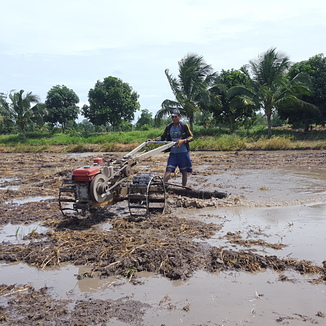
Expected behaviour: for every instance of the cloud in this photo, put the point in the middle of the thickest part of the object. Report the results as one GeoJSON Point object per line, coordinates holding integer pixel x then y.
{"type": "Point", "coordinates": [75, 26]}
{"type": "Point", "coordinates": [77, 42]}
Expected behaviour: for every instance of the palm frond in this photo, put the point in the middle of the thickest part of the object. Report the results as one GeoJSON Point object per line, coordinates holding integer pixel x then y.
{"type": "Point", "coordinates": [190, 88]}
{"type": "Point", "coordinates": [166, 108]}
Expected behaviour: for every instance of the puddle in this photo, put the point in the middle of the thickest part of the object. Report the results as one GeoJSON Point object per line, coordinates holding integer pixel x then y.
{"type": "Point", "coordinates": [14, 233]}
{"type": "Point", "coordinates": [9, 188]}
{"type": "Point", "coordinates": [35, 199]}
{"type": "Point", "coordinates": [300, 228]}
{"type": "Point", "coordinates": [277, 184]}
{"type": "Point", "coordinates": [106, 226]}
{"type": "Point", "coordinates": [5, 181]}
{"type": "Point", "coordinates": [60, 280]}
{"type": "Point", "coordinates": [226, 298]}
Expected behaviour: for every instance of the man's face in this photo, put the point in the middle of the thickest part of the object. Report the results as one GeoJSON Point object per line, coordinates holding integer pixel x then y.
{"type": "Point", "coordinates": [176, 118]}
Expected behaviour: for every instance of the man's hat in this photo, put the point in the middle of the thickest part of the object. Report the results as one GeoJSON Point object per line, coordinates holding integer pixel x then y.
{"type": "Point", "coordinates": [175, 113]}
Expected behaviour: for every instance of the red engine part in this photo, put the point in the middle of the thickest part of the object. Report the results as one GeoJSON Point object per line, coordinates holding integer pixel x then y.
{"type": "Point", "coordinates": [86, 173]}
{"type": "Point", "coordinates": [98, 160]}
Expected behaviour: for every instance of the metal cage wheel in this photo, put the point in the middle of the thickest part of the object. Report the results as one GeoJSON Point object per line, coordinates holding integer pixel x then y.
{"type": "Point", "coordinates": [146, 195]}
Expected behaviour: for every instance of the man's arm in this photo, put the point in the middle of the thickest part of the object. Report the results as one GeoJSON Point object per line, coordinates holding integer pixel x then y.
{"type": "Point", "coordinates": [189, 134]}
{"type": "Point", "coordinates": [164, 136]}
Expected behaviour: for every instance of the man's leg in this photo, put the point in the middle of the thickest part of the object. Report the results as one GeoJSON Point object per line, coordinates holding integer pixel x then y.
{"type": "Point", "coordinates": [184, 178]}
{"type": "Point", "coordinates": [170, 167]}
{"type": "Point", "coordinates": [185, 166]}
{"type": "Point", "coordinates": [167, 176]}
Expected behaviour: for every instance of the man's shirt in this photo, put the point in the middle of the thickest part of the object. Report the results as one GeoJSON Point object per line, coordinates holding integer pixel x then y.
{"type": "Point", "coordinates": [176, 133]}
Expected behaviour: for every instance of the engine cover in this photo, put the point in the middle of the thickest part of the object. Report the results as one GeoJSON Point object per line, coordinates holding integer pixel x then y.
{"type": "Point", "coordinates": [85, 174]}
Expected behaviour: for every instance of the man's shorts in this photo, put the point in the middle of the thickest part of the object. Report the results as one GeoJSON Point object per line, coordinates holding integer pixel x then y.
{"type": "Point", "coordinates": [181, 160]}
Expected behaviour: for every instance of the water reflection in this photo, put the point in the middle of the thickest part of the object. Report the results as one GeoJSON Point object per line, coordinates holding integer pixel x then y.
{"type": "Point", "coordinates": [15, 233]}
{"type": "Point", "coordinates": [227, 297]}
{"type": "Point", "coordinates": [300, 228]}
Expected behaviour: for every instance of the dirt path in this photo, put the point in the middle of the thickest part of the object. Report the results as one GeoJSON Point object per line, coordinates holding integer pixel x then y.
{"type": "Point", "coordinates": [175, 245]}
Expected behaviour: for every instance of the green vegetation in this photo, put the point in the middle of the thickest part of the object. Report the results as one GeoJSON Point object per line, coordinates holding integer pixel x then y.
{"type": "Point", "coordinates": [216, 139]}
{"type": "Point", "coordinates": [267, 104]}
{"type": "Point", "coordinates": [21, 111]}
{"type": "Point", "coordinates": [61, 103]}
{"type": "Point", "coordinates": [190, 88]}
{"type": "Point", "coordinates": [268, 84]}
{"type": "Point", "coordinates": [112, 101]}
{"type": "Point", "coordinates": [220, 143]}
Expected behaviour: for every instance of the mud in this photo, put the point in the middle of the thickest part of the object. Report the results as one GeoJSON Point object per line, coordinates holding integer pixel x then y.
{"type": "Point", "coordinates": [196, 239]}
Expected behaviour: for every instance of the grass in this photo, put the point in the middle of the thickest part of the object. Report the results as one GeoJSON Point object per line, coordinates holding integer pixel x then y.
{"type": "Point", "coordinates": [216, 139]}
{"type": "Point", "coordinates": [278, 142]}
{"type": "Point", "coordinates": [221, 143]}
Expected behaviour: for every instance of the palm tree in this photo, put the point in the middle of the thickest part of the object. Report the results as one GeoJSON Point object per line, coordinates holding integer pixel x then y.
{"type": "Point", "coordinates": [293, 107]}
{"type": "Point", "coordinates": [226, 105]}
{"type": "Point", "coordinates": [190, 88]}
{"type": "Point", "coordinates": [269, 80]}
{"type": "Point", "coordinates": [270, 86]}
{"type": "Point", "coordinates": [20, 110]}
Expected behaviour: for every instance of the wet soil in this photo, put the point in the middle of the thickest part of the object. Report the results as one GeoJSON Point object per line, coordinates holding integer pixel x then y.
{"type": "Point", "coordinates": [175, 246]}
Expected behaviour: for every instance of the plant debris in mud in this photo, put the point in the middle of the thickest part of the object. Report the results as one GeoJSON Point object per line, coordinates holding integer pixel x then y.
{"type": "Point", "coordinates": [222, 259]}
{"type": "Point", "coordinates": [27, 306]}
{"type": "Point", "coordinates": [285, 320]}
{"type": "Point", "coordinates": [164, 245]}
{"type": "Point", "coordinates": [161, 245]}
{"type": "Point", "coordinates": [235, 238]}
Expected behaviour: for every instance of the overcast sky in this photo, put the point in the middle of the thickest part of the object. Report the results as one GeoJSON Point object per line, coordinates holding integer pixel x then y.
{"type": "Point", "coordinates": [44, 43]}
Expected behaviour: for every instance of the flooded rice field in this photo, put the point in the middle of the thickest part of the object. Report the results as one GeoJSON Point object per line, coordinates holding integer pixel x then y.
{"type": "Point", "coordinates": [255, 257]}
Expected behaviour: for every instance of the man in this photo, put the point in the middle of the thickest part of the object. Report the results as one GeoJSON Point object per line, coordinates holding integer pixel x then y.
{"type": "Point", "coordinates": [179, 154]}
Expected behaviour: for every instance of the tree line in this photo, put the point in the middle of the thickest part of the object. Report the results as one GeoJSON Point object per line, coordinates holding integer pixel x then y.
{"type": "Point", "coordinates": [270, 85]}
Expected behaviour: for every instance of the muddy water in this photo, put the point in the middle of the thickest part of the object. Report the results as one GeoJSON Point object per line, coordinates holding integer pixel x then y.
{"type": "Point", "coordinates": [226, 298]}
{"type": "Point", "coordinates": [283, 205]}
{"type": "Point", "coordinates": [16, 233]}
{"type": "Point", "coordinates": [276, 186]}
{"type": "Point", "coordinates": [34, 199]}
{"type": "Point", "coordinates": [300, 229]}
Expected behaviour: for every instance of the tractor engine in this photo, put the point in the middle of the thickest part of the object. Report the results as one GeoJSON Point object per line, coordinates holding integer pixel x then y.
{"type": "Point", "coordinates": [83, 177]}
{"type": "Point", "coordinates": [88, 187]}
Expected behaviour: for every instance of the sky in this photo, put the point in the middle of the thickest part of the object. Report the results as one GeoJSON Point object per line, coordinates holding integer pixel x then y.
{"type": "Point", "coordinates": [75, 43]}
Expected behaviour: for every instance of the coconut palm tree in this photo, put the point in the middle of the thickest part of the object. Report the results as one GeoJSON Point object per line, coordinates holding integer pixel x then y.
{"type": "Point", "coordinates": [21, 110]}
{"type": "Point", "coordinates": [268, 75]}
{"type": "Point", "coordinates": [190, 88]}
{"type": "Point", "coordinates": [270, 86]}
